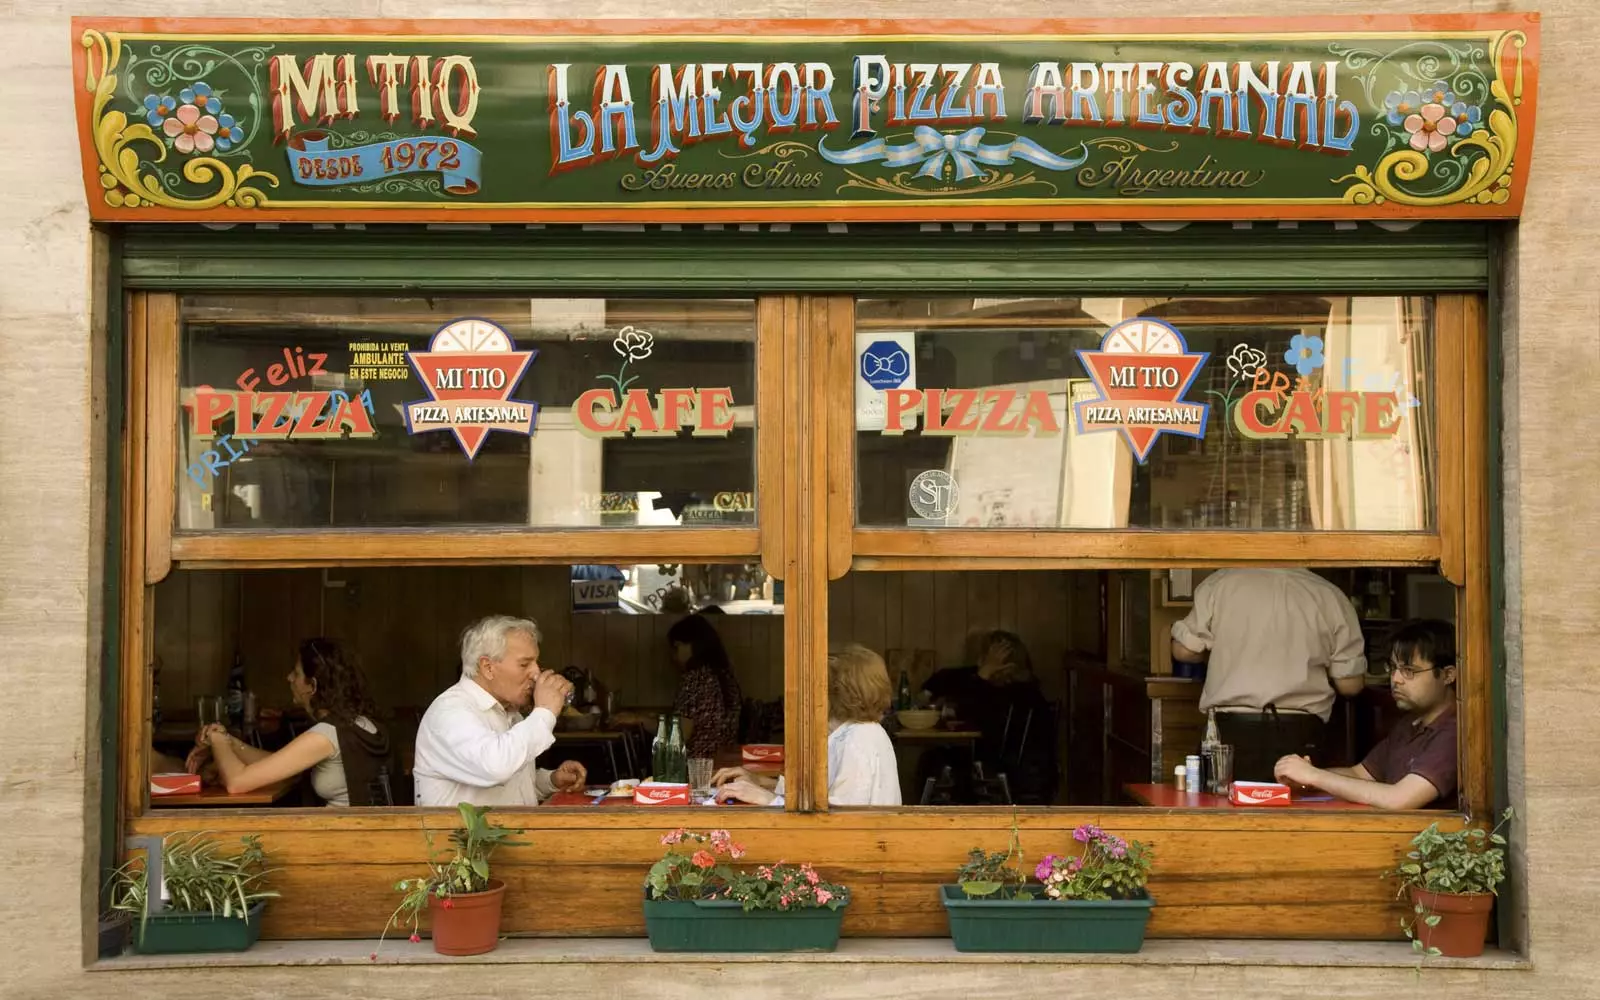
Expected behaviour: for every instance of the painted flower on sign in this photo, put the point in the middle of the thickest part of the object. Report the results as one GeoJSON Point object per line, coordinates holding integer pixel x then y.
{"type": "Point", "coordinates": [229, 132]}
{"type": "Point", "coordinates": [1439, 92]}
{"type": "Point", "coordinates": [157, 108]}
{"type": "Point", "coordinates": [1304, 353]}
{"type": "Point", "coordinates": [1400, 103]}
{"type": "Point", "coordinates": [1467, 116]}
{"type": "Point", "coordinates": [200, 95]}
{"type": "Point", "coordinates": [1430, 128]}
{"type": "Point", "coordinates": [635, 345]}
{"type": "Point", "coordinates": [1245, 362]}
{"type": "Point", "coordinates": [190, 131]}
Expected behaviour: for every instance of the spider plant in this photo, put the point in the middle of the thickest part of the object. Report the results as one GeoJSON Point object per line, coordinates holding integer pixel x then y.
{"type": "Point", "coordinates": [199, 878]}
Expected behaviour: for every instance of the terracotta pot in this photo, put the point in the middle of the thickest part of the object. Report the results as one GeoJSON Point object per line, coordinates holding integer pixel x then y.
{"type": "Point", "coordinates": [470, 925]}
{"type": "Point", "coordinates": [1463, 921]}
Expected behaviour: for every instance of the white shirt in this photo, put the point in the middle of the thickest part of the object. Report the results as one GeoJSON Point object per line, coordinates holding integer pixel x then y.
{"type": "Point", "coordinates": [470, 748]}
{"type": "Point", "coordinates": [327, 774]}
{"type": "Point", "coordinates": [862, 770]}
{"type": "Point", "coordinates": [1275, 635]}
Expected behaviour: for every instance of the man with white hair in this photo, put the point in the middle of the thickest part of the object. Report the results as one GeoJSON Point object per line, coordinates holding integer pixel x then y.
{"type": "Point", "coordinates": [474, 745]}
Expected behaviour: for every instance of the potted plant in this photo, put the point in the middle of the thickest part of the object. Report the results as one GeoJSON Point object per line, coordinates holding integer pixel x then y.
{"type": "Point", "coordinates": [1093, 900]}
{"type": "Point", "coordinates": [464, 901]}
{"type": "Point", "coordinates": [1452, 880]}
{"type": "Point", "coordinates": [695, 901]}
{"type": "Point", "coordinates": [211, 901]}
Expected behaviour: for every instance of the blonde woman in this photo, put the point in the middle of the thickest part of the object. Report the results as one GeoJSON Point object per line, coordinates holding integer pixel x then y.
{"type": "Point", "coordinates": [861, 763]}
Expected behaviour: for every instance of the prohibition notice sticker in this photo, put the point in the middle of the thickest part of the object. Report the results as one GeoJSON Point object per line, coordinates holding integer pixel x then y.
{"type": "Point", "coordinates": [1142, 371]}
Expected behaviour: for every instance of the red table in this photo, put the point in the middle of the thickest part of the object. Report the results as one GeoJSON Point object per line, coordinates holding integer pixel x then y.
{"type": "Point", "coordinates": [1168, 797]}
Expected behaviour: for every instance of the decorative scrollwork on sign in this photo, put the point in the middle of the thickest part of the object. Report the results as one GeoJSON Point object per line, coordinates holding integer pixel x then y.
{"type": "Point", "coordinates": [784, 149]}
{"type": "Point", "coordinates": [131, 180]}
{"type": "Point", "coordinates": [1480, 164]}
{"type": "Point", "coordinates": [901, 183]}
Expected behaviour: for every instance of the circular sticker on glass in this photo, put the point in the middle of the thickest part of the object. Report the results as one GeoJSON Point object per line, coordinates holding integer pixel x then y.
{"type": "Point", "coordinates": [934, 494]}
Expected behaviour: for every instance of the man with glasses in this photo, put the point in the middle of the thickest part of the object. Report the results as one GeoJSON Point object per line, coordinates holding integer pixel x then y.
{"type": "Point", "coordinates": [1414, 767]}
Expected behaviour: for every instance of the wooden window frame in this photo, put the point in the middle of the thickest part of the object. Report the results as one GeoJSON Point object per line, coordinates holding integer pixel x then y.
{"type": "Point", "coordinates": [806, 536]}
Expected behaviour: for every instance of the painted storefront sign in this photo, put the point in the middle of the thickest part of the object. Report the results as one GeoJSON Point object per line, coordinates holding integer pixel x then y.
{"type": "Point", "coordinates": [1372, 117]}
{"type": "Point", "coordinates": [470, 369]}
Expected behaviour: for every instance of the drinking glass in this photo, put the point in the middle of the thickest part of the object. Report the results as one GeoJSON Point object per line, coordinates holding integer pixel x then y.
{"type": "Point", "coordinates": [700, 770]}
{"type": "Point", "coordinates": [1221, 769]}
{"type": "Point", "coordinates": [208, 709]}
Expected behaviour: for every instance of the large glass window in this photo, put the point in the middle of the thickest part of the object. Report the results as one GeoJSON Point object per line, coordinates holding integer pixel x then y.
{"type": "Point", "coordinates": [1062, 687]}
{"type": "Point", "coordinates": [702, 643]}
{"type": "Point", "coordinates": [340, 412]}
{"type": "Point", "coordinates": [1287, 413]}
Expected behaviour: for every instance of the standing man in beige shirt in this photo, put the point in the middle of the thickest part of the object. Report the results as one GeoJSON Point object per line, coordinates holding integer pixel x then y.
{"type": "Point", "coordinates": [1278, 644]}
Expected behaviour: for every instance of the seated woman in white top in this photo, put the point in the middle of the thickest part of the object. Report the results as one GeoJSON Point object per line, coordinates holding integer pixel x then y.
{"type": "Point", "coordinates": [861, 764]}
{"type": "Point", "coordinates": [326, 683]}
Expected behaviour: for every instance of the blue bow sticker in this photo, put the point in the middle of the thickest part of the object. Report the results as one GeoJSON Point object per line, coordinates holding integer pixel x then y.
{"type": "Point", "coordinates": [933, 149]}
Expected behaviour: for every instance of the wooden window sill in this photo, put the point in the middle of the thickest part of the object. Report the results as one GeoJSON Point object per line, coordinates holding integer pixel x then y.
{"type": "Point", "coordinates": [873, 951]}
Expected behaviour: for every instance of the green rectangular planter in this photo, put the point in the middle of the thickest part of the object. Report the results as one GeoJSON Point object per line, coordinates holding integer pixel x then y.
{"type": "Point", "coordinates": [1045, 925]}
{"type": "Point", "coordinates": [723, 925]}
{"type": "Point", "coordinates": [173, 932]}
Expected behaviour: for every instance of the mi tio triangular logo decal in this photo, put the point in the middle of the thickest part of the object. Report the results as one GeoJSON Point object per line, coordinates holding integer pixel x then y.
{"type": "Point", "coordinates": [1142, 370]}
{"type": "Point", "coordinates": [470, 369]}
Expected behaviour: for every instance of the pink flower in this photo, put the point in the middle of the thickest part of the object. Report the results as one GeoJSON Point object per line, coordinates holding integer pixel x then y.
{"type": "Point", "coordinates": [192, 132]}
{"type": "Point", "coordinates": [704, 859]}
{"type": "Point", "coordinates": [823, 895]}
{"type": "Point", "coordinates": [1086, 833]}
{"type": "Point", "coordinates": [448, 904]}
{"type": "Point", "coordinates": [737, 850]}
{"type": "Point", "coordinates": [373, 956]}
{"type": "Point", "coordinates": [676, 836]}
{"type": "Point", "coordinates": [784, 900]}
{"type": "Point", "coordinates": [1428, 129]}
{"type": "Point", "coordinates": [812, 877]}
{"type": "Point", "coordinates": [416, 938]}
{"type": "Point", "coordinates": [1042, 872]}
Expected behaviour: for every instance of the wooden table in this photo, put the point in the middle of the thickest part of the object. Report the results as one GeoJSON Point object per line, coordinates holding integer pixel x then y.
{"type": "Point", "coordinates": [217, 795]}
{"type": "Point", "coordinates": [1168, 797]}
{"type": "Point", "coordinates": [611, 801]}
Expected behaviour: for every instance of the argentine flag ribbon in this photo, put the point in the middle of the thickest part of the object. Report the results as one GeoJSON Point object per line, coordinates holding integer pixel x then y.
{"type": "Point", "coordinates": [965, 151]}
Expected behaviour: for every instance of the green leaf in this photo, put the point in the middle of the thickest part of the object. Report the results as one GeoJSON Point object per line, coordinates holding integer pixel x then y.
{"type": "Point", "coordinates": [1433, 920]}
{"type": "Point", "coordinates": [980, 888]}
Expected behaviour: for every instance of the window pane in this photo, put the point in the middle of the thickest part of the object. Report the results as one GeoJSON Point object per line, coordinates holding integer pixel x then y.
{"type": "Point", "coordinates": [599, 413]}
{"type": "Point", "coordinates": [1062, 687]}
{"type": "Point", "coordinates": [623, 635]}
{"type": "Point", "coordinates": [1273, 413]}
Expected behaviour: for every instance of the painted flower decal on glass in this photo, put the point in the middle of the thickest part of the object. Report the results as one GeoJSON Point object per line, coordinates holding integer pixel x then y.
{"type": "Point", "coordinates": [1401, 103]}
{"type": "Point", "coordinates": [1245, 362]}
{"type": "Point", "coordinates": [200, 95]}
{"type": "Point", "coordinates": [635, 345]}
{"type": "Point", "coordinates": [1304, 353]}
{"type": "Point", "coordinates": [191, 131]}
{"type": "Point", "coordinates": [229, 132]}
{"type": "Point", "coordinates": [157, 108]}
{"type": "Point", "coordinates": [1430, 129]}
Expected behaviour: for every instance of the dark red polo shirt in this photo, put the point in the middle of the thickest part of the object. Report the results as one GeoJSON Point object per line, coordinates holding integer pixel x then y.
{"type": "Point", "coordinates": [1412, 748]}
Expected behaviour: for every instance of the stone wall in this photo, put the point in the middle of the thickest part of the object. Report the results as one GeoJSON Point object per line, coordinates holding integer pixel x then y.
{"type": "Point", "coordinates": [51, 507]}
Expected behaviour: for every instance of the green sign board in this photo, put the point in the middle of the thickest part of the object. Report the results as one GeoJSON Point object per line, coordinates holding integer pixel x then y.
{"type": "Point", "coordinates": [805, 121]}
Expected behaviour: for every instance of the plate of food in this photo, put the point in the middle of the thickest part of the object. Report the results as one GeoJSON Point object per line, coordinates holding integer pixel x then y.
{"type": "Point", "coordinates": [621, 787]}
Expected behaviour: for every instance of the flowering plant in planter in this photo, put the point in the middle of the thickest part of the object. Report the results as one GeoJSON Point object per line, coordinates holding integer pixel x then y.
{"type": "Point", "coordinates": [787, 887]}
{"type": "Point", "coordinates": [1108, 868]}
{"type": "Point", "coordinates": [693, 866]}
{"type": "Point", "coordinates": [466, 874]}
{"type": "Point", "coordinates": [696, 901]}
{"type": "Point", "coordinates": [1093, 900]}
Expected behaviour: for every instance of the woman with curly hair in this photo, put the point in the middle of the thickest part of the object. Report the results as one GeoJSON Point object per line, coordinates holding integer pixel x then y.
{"type": "Point", "coordinates": [345, 749]}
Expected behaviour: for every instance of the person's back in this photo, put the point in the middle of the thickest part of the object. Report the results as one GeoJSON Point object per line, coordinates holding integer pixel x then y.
{"type": "Point", "coordinates": [1275, 636]}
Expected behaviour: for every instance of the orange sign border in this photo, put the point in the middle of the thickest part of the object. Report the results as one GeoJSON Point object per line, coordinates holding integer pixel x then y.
{"type": "Point", "coordinates": [1073, 211]}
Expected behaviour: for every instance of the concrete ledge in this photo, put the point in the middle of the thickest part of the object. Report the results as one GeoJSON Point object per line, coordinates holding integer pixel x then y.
{"type": "Point", "coordinates": [876, 951]}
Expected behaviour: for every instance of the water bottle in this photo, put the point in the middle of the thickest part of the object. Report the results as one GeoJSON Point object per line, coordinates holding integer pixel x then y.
{"type": "Point", "coordinates": [903, 698]}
